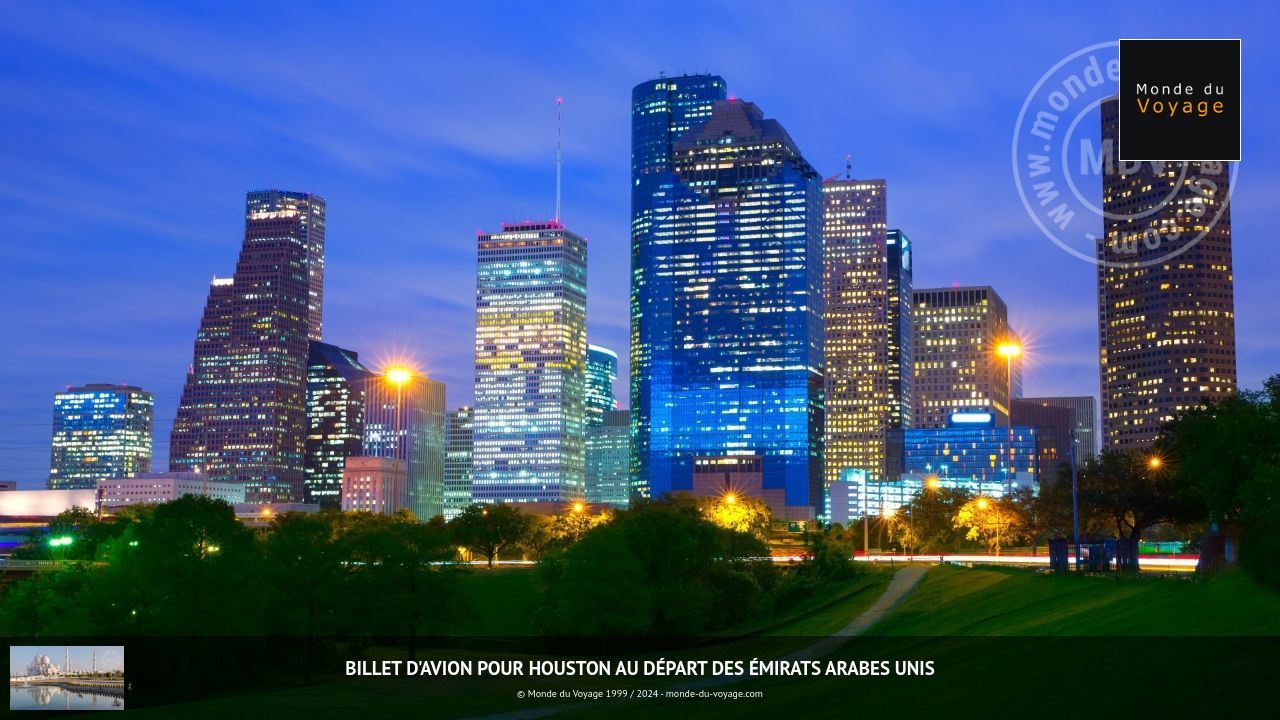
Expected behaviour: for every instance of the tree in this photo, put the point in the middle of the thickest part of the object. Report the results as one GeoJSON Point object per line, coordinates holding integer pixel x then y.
{"type": "Point", "coordinates": [487, 529]}
{"type": "Point", "coordinates": [929, 527]}
{"type": "Point", "coordinates": [308, 574]}
{"type": "Point", "coordinates": [989, 520]}
{"type": "Point", "coordinates": [408, 578]}
{"type": "Point", "coordinates": [659, 568]}
{"type": "Point", "coordinates": [740, 513]}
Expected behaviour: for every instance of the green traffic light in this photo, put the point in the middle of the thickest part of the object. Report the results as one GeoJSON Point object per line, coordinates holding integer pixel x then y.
{"type": "Point", "coordinates": [61, 541]}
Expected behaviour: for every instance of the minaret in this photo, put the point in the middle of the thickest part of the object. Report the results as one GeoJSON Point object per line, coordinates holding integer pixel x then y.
{"type": "Point", "coordinates": [95, 661]}
{"type": "Point", "coordinates": [66, 659]}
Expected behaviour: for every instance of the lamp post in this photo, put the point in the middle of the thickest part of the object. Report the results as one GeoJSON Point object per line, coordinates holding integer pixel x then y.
{"type": "Point", "coordinates": [398, 376]}
{"type": "Point", "coordinates": [1075, 501]}
{"type": "Point", "coordinates": [1009, 350]}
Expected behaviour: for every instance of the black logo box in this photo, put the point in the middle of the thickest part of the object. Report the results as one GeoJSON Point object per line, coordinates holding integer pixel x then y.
{"type": "Point", "coordinates": [1181, 66]}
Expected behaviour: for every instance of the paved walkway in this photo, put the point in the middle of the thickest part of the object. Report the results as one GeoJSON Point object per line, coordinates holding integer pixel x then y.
{"type": "Point", "coordinates": [903, 582]}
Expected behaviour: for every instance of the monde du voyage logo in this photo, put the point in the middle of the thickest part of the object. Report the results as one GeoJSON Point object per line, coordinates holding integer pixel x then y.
{"type": "Point", "coordinates": [1179, 100]}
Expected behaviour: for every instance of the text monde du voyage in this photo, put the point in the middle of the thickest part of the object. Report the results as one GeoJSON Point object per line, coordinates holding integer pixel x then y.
{"type": "Point", "coordinates": [636, 668]}
{"type": "Point", "coordinates": [1179, 99]}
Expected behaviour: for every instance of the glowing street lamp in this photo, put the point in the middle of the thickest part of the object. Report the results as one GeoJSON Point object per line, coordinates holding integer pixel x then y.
{"type": "Point", "coordinates": [730, 498]}
{"type": "Point", "coordinates": [1155, 462]}
{"type": "Point", "coordinates": [398, 375]}
{"type": "Point", "coordinates": [579, 507]}
{"type": "Point", "coordinates": [1009, 350]}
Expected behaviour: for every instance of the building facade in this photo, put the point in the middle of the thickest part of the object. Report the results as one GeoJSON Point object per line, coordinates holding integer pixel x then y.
{"type": "Point", "coordinates": [609, 460]}
{"type": "Point", "coordinates": [1055, 434]}
{"type": "Point", "coordinates": [602, 371]}
{"type": "Point", "coordinates": [529, 440]}
{"type": "Point", "coordinates": [662, 111]}
{"type": "Point", "coordinates": [1084, 409]}
{"type": "Point", "coordinates": [458, 428]}
{"type": "Point", "coordinates": [867, 319]}
{"type": "Point", "coordinates": [242, 417]}
{"type": "Point", "coordinates": [404, 420]}
{"type": "Point", "coordinates": [375, 484]}
{"type": "Point", "coordinates": [335, 419]}
{"type": "Point", "coordinates": [149, 487]}
{"type": "Point", "coordinates": [973, 446]}
{"type": "Point", "coordinates": [1166, 307]}
{"type": "Point", "coordinates": [729, 310]}
{"type": "Point", "coordinates": [957, 366]}
{"type": "Point", "coordinates": [99, 431]}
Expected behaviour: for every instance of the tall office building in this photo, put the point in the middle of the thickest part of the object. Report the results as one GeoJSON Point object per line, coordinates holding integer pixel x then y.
{"type": "Point", "coordinates": [528, 441]}
{"type": "Point", "coordinates": [662, 110]}
{"type": "Point", "coordinates": [404, 420]}
{"type": "Point", "coordinates": [457, 461]}
{"type": "Point", "coordinates": [957, 366]}
{"type": "Point", "coordinates": [867, 344]}
{"type": "Point", "coordinates": [1084, 414]}
{"type": "Point", "coordinates": [100, 431]}
{"type": "Point", "coordinates": [1166, 311]}
{"type": "Point", "coordinates": [727, 310]}
{"type": "Point", "coordinates": [242, 417]}
{"type": "Point", "coordinates": [602, 370]}
{"type": "Point", "coordinates": [609, 460]}
{"type": "Point", "coordinates": [335, 419]}
{"type": "Point", "coordinates": [1055, 429]}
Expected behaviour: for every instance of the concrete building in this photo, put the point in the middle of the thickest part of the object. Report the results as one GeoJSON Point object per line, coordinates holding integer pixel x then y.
{"type": "Point", "coordinates": [957, 367]}
{"type": "Point", "coordinates": [1166, 306]}
{"type": "Point", "coordinates": [164, 487]}
{"type": "Point", "coordinates": [243, 417]}
{"type": "Point", "coordinates": [375, 484]}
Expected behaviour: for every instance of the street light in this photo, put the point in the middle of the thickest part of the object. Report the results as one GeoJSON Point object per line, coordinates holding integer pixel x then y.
{"type": "Point", "coordinates": [1155, 462]}
{"type": "Point", "coordinates": [579, 507]}
{"type": "Point", "coordinates": [1009, 350]}
{"type": "Point", "coordinates": [730, 498]}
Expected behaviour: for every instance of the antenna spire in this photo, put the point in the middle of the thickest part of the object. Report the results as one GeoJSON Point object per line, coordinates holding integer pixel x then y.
{"type": "Point", "coordinates": [559, 156]}
{"type": "Point", "coordinates": [848, 167]}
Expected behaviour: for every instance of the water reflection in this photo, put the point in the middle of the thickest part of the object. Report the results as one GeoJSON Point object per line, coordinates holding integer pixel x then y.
{"type": "Point", "coordinates": [56, 697]}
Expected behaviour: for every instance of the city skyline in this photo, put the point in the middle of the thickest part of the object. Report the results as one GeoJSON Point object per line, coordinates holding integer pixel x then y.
{"type": "Point", "coordinates": [138, 309]}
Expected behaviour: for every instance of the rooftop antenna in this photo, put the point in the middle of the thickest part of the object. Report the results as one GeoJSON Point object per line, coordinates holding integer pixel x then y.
{"type": "Point", "coordinates": [848, 167]}
{"type": "Point", "coordinates": [559, 155]}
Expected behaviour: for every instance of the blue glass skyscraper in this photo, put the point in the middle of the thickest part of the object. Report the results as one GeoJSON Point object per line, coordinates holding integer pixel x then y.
{"type": "Point", "coordinates": [727, 304]}
{"type": "Point", "coordinates": [661, 111]}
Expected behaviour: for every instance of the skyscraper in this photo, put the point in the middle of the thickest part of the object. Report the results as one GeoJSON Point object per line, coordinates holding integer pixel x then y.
{"type": "Point", "coordinates": [404, 419]}
{"type": "Point", "coordinates": [457, 461]}
{"type": "Point", "coordinates": [531, 347]}
{"type": "Point", "coordinates": [662, 110]}
{"type": "Point", "coordinates": [335, 419]}
{"type": "Point", "coordinates": [727, 309]}
{"type": "Point", "coordinates": [242, 417]}
{"type": "Point", "coordinates": [609, 460]}
{"type": "Point", "coordinates": [1166, 309]}
{"type": "Point", "coordinates": [867, 289]}
{"type": "Point", "coordinates": [1084, 412]}
{"type": "Point", "coordinates": [957, 366]}
{"type": "Point", "coordinates": [100, 432]}
{"type": "Point", "coordinates": [602, 370]}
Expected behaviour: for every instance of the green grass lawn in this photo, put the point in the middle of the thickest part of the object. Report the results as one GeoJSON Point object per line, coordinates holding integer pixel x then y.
{"type": "Point", "coordinates": [1014, 601]}
{"type": "Point", "coordinates": [501, 602]}
{"type": "Point", "coordinates": [1001, 640]}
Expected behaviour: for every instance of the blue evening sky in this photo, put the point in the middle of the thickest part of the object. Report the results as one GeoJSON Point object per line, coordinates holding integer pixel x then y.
{"type": "Point", "coordinates": [110, 657]}
{"type": "Point", "coordinates": [129, 134]}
